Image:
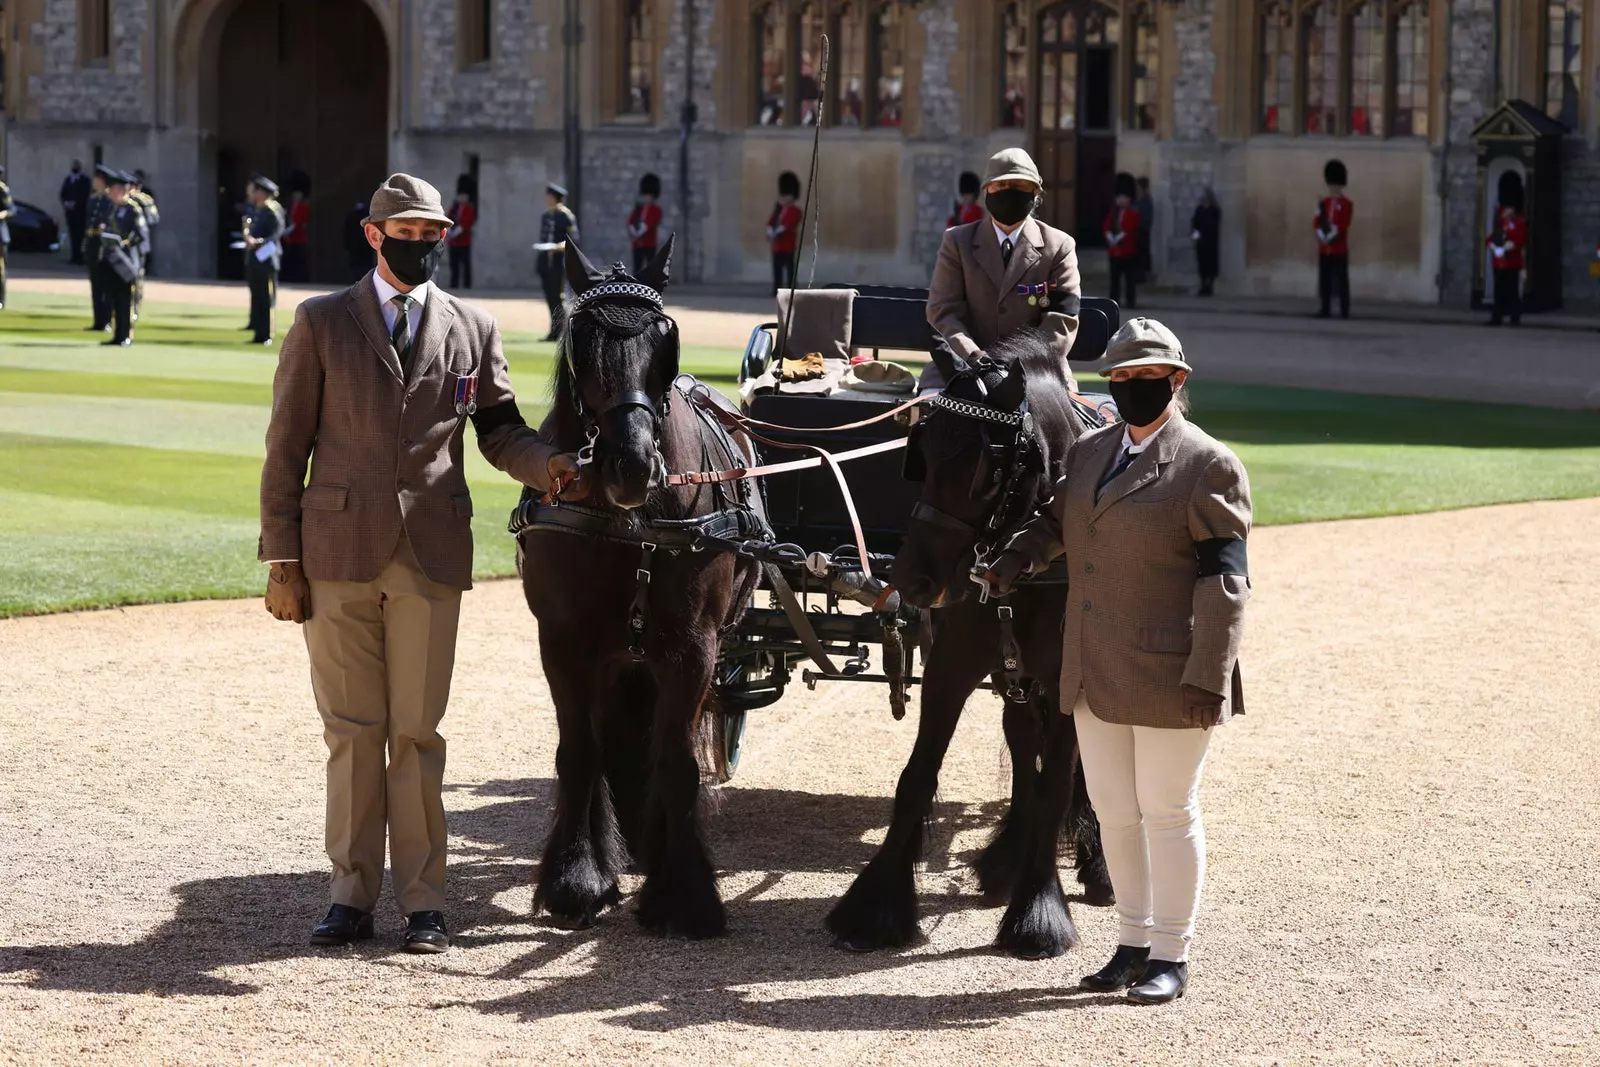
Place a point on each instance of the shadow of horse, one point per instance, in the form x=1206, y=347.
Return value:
x=641, y=981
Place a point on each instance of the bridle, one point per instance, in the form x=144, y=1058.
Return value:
x=622, y=308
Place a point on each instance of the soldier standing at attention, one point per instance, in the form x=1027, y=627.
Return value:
x=1122, y=244
x=297, y=238
x=966, y=209
x=5, y=232
x=1333, y=241
x=99, y=214
x=75, y=190
x=139, y=198
x=263, y=253
x=557, y=224
x=374, y=389
x=1005, y=273
x=152, y=213
x=643, y=222
x=783, y=230
x=1506, y=243
x=122, y=244
x=463, y=217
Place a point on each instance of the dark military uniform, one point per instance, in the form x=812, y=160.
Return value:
x=99, y=214
x=557, y=226
x=5, y=232
x=122, y=246
x=147, y=207
x=265, y=223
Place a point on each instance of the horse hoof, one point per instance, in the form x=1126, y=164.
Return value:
x=1098, y=896
x=859, y=945
x=1035, y=951
x=586, y=921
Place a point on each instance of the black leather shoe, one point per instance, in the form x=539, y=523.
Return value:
x=1125, y=968
x=425, y=932
x=343, y=925
x=1163, y=981
x=114, y=343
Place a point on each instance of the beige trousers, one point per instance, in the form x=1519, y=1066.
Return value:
x=381, y=657
x=1144, y=783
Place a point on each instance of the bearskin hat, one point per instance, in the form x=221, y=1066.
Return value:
x=466, y=184
x=1509, y=191
x=650, y=185
x=788, y=184
x=968, y=185
x=1125, y=185
x=1335, y=174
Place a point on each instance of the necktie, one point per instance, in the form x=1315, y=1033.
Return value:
x=1005, y=251
x=401, y=336
x=1123, y=462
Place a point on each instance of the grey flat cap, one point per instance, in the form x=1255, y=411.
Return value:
x=403, y=197
x=1011, y=163
x=1143, y=342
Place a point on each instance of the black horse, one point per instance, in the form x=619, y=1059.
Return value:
x=629, y=617
x=988, y=450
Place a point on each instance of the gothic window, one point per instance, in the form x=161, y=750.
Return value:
x=1058, y=71
x=771, y=44
x=888, y=65
x=1366, y=71
x=474, y=31
x=848, y=65
x=1411, y=33
x=638, y=97
x=94, y=31
x=1277, y=69
x=1146, y=68
x=1013, y=67
x=1321, y=71
x=810, y=46
x=1563, y=64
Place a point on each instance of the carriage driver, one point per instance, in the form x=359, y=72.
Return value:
x=1005, y=272
x=374, y=389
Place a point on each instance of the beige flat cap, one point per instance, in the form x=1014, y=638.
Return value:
x=403, y=197
x=1009, y=164
x=1143, y=342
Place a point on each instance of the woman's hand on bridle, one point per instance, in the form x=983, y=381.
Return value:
x=1002, y=574
x=566, y=478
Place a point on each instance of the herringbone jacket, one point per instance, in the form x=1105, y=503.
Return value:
x=1159, y=581
x=974, y=299
x=385, y=448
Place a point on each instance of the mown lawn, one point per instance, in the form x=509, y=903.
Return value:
x=129, y=475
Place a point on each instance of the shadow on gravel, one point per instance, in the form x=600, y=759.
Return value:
x=635, y=979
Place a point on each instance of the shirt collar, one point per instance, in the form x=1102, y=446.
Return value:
x=1001, y=236
x=387, y=292
x=1134, y=449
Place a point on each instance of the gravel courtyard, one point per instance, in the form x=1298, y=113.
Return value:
x=1402, y=838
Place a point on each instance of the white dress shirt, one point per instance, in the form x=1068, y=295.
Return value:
x=391, y=311
x=1131, y=449
x=1003, y=236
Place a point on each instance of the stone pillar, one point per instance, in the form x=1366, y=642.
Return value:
x=659, y=152
x=933, y=168
x=1189, y=158
x=1471, y=51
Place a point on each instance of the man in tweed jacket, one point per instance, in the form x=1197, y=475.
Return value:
x=375, y=385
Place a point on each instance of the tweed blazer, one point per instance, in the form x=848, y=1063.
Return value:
x=385, y=447
x=973, y=299
x=1142, y=618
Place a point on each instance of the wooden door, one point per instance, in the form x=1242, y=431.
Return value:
x=1075, y=122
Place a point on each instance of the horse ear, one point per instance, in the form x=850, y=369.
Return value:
x=660, y=268
x=1012, y=390
x=581, y=274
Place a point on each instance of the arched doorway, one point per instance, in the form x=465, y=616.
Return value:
x=302, y=95
x=1075, y=120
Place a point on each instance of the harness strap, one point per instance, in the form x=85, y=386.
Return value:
x=1011, y=656
x=733, y=474
x=798, y=621
x=745, y=421
x=639, y=613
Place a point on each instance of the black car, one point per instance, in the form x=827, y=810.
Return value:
x=33, y=230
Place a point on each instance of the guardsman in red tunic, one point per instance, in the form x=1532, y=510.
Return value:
x=1506, y=243
x=1332, y=225
x=458, y=239
x=966, y=209
x=1122, y=242
x=644, y=221
x=783, y=230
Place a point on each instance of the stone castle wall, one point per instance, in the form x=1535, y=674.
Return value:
x=112, y=94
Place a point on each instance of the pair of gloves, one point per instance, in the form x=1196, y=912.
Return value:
x=1201, y=707
x=288, y=596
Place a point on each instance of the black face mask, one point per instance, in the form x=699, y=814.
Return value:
x=1009, y=206
x=1140, y=401
x=413, y=262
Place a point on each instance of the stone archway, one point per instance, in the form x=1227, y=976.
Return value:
x=302, y=95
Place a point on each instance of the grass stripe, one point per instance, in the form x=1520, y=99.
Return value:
x=133, y=386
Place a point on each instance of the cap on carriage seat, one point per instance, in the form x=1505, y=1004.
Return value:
x=819, y=321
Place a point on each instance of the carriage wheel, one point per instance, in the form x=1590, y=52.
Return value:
x=732, y=741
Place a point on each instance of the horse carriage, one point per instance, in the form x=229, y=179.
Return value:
x=722, y=548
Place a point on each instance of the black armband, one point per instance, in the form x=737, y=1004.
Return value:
x=1065, y=303
x=1222, y=555
x=487, y=420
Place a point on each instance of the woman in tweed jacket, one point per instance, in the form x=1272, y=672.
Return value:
x=1152, y=515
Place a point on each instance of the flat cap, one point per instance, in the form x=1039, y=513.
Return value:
x=1009, y=164
x=403, y=197
x=1143, y=342
x=265, y=184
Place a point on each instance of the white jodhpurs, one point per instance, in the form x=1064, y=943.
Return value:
x=1144, y=783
